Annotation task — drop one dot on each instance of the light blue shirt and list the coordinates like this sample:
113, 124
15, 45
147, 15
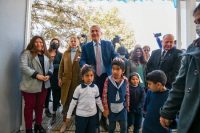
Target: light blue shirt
73, 53
103, 70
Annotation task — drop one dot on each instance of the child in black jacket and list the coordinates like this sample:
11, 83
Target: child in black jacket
137, 95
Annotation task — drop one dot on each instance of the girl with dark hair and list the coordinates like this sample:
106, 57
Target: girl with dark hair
36, 69
137, 63
137, 95
85, 98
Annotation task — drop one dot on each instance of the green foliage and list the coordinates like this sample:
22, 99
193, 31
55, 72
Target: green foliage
61, 18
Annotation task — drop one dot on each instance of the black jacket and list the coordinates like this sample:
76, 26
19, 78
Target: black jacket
170, 64
137, 95
56, 63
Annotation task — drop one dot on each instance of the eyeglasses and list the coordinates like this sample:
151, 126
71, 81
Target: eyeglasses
197, 21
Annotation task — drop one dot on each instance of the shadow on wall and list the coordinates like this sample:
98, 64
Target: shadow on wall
12, 106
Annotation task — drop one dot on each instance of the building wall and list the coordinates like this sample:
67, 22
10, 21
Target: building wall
12, 38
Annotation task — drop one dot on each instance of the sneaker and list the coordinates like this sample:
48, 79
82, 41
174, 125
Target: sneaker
48, 113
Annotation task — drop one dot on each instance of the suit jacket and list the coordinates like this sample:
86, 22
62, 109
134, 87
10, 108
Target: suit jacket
69, 73
29, 66
170, 64
185, 93
108, 53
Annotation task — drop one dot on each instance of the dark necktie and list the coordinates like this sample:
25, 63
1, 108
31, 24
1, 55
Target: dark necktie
163, 55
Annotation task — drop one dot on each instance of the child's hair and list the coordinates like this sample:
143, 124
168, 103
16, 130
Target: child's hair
157, 76
134, 74
86, 68
119, 62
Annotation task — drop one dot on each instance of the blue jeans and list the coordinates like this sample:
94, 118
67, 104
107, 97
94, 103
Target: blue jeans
112, 126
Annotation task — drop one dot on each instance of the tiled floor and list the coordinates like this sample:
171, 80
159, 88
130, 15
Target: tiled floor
56, 127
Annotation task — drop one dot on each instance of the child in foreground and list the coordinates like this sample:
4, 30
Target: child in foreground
155, 99
116, 97
137, 95
85, 98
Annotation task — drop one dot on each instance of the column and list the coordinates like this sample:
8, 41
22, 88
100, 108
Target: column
190, 26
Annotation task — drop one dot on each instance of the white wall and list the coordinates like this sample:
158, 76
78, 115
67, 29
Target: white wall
12, 37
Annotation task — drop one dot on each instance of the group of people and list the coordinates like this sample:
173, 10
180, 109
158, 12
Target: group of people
94, 78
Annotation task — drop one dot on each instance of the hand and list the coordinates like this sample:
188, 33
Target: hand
78, 58
106, 113
165, 122
59, 82
46, 78
40, 77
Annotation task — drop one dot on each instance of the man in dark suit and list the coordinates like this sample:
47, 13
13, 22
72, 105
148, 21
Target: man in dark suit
167, 59
98, 53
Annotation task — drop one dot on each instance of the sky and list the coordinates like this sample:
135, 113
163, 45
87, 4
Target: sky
148, 18
145, 18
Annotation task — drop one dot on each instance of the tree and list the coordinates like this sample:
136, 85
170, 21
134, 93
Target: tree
61, 18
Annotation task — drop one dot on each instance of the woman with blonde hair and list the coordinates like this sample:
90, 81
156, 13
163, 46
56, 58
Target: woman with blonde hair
69, 74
